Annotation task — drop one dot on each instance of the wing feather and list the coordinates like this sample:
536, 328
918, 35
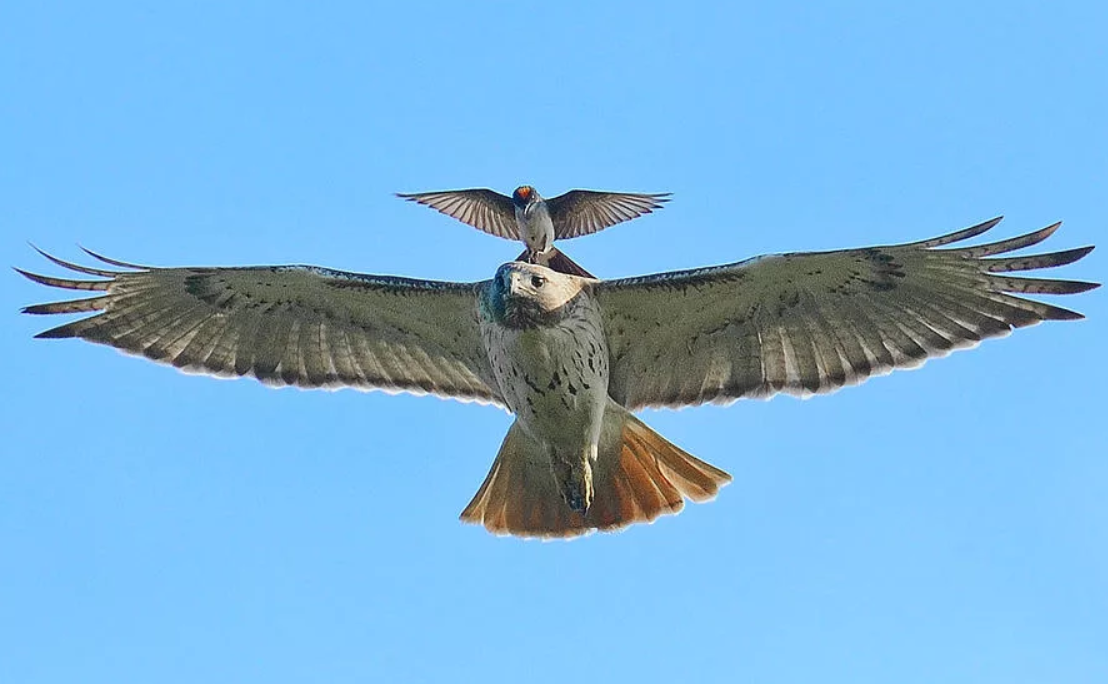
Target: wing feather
582, 212
807, 323
285, 325
484, 209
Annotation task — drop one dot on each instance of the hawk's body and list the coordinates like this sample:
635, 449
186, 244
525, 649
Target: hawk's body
574, 459
550, 362
572, 356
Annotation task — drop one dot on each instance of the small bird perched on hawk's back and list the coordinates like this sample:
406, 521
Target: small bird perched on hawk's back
539, 222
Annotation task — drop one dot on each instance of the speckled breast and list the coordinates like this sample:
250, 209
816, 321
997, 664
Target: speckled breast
554, 377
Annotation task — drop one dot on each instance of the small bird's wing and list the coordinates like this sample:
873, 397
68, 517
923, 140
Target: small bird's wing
581, 212
286, 325
481, 208
804, 323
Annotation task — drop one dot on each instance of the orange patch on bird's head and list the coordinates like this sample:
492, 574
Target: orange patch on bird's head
523, 193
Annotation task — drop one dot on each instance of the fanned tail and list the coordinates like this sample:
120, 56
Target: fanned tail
638, 476
520, 496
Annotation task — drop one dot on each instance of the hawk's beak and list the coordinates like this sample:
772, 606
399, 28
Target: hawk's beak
514, 282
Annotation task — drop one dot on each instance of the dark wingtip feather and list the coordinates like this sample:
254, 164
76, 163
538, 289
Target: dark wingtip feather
67, 307
1057, 313
1042, 285
38, 309
60, 332
1078, 286
112, 262
63, 282
1011, 244
1027, 263
74, 267
1067, 315
959, 235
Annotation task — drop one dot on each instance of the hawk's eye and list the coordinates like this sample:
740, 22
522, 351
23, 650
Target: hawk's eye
537, 281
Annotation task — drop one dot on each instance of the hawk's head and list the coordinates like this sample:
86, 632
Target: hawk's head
526, 295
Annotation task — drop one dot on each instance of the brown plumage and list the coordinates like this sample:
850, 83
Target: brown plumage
571, 356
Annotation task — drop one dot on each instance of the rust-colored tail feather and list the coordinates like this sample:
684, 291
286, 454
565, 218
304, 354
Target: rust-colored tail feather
638, 476
519, 496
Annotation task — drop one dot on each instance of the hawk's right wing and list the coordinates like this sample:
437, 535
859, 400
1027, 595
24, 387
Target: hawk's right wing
813, 322
286, 325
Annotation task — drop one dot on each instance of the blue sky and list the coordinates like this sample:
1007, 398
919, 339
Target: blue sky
944, 525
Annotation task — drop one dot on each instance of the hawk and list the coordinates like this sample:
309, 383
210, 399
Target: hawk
572, 357
539, 222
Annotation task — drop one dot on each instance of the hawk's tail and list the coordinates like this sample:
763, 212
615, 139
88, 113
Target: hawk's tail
556, 260
638, 476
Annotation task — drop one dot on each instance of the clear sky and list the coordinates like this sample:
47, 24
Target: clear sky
944, 525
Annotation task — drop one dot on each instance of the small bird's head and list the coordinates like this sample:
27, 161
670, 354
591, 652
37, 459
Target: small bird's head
524, 195
526, 295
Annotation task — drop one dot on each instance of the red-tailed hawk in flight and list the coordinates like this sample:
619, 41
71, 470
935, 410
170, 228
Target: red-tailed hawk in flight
572, 357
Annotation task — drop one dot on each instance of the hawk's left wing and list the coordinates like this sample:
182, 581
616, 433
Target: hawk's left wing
286, 325
813, 322
583, 212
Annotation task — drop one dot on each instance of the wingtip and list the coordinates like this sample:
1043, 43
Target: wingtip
99, 272
1050, 230
986, 226
63, 283
958, 235
1061, 314
110, 261
1011, 244
60, 332
34, 277
1076, 286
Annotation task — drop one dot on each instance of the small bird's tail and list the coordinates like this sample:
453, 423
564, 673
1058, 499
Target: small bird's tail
638, 476
556, 260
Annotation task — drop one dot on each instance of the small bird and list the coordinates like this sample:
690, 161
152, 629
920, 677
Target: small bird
572, 357
539, 222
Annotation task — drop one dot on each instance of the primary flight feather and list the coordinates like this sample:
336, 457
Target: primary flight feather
571, 357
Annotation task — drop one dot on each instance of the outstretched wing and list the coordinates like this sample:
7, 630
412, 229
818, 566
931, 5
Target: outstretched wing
481, 208
581, 212
813, 322
286, 325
